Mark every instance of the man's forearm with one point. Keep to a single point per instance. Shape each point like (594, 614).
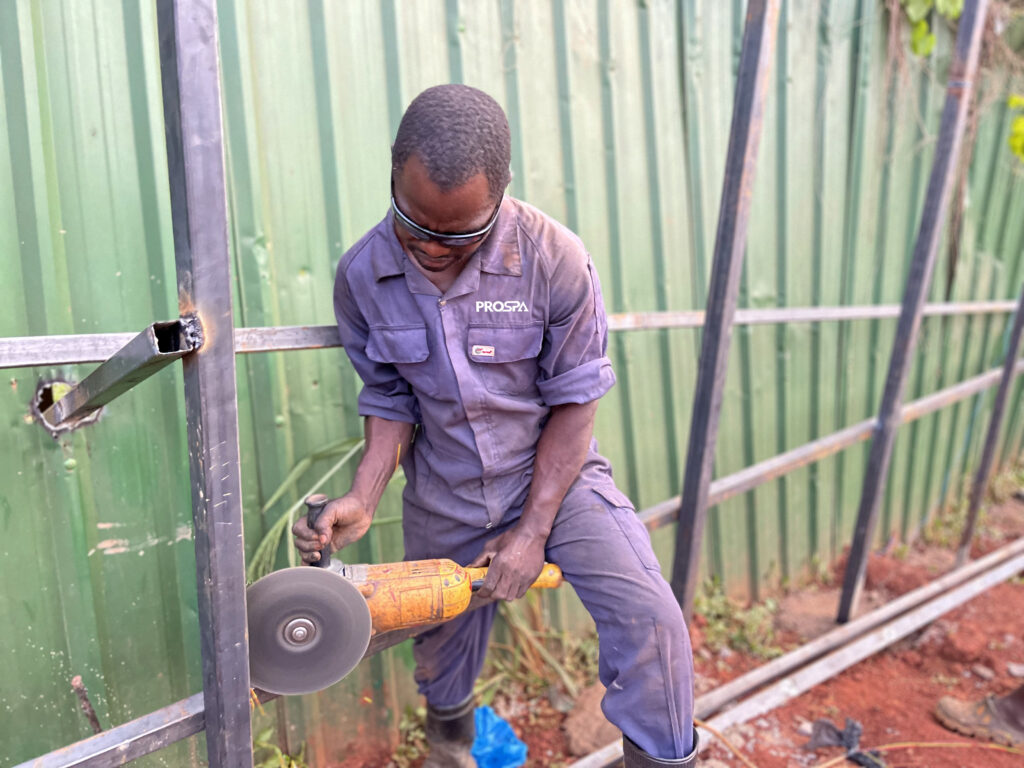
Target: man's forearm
(561, 450)
(386, 442)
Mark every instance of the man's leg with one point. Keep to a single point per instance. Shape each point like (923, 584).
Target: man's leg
(448, 660)
(645, 661)
(449, 657)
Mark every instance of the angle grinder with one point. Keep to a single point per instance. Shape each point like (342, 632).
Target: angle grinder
(310, 626)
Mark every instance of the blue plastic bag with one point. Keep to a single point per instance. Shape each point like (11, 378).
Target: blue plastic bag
(496, 744)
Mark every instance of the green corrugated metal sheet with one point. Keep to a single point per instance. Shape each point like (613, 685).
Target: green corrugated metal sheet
(621, 114)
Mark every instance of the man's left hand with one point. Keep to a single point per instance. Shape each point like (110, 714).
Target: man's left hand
(514, 560)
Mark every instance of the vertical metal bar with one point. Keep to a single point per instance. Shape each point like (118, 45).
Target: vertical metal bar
(962, 71)
(195, 159)
(989, 452)
(730, 242)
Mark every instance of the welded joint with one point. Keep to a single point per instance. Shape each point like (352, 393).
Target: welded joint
(191, 331)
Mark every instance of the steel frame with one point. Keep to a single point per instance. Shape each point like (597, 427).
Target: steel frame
(962, 71)
(188, 51)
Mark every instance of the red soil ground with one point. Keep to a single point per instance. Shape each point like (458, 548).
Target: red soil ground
(892, 694)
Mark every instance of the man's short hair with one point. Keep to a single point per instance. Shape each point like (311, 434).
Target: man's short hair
(457, 132)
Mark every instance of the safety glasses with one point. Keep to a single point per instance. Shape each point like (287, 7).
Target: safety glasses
(447, 239)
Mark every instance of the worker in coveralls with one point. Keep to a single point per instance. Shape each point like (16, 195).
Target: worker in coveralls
(477, 327)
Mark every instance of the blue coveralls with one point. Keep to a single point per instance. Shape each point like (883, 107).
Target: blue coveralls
(522, 329)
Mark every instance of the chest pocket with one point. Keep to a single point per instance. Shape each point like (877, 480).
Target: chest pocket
(405, 348)
(506, 357)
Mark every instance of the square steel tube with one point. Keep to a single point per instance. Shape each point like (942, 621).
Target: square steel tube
(156, 347)
(193, 129)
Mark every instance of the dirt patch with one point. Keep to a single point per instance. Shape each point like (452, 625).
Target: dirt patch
(893, 694)
(970, 652)
(586, 728)
(812, 612)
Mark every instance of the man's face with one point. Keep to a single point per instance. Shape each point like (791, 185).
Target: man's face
(468, 208)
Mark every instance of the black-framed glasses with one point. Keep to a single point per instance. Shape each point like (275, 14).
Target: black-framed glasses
(448, 239)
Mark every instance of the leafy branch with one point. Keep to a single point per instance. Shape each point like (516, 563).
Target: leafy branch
(262, 561)
(269, 755)
(922, 39)
(1016, 139)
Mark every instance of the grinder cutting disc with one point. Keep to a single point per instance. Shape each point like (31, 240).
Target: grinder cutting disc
(308, 628)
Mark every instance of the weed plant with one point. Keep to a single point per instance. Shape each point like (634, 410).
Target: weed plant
(747, 630)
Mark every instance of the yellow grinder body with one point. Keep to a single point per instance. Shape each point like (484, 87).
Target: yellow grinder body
(309, 627)
(420, 592)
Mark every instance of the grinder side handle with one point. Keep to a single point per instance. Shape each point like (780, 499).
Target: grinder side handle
(314, 508)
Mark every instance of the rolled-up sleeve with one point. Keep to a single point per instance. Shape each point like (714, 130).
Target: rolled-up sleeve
(385, 393)
(574, 364)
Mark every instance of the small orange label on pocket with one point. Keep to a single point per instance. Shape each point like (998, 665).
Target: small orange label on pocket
(482, 350)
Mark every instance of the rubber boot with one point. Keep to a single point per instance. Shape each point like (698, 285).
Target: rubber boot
(634, 757)
(450, 733)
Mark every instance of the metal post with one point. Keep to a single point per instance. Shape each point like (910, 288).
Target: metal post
(989, 452)
(730, 242)
(947, 151)
(195, 160)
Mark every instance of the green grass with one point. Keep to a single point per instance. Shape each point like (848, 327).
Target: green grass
(748, 630)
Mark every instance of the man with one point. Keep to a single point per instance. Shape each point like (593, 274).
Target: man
(477, 327)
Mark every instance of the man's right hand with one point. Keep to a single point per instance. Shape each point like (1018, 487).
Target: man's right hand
(342, 522)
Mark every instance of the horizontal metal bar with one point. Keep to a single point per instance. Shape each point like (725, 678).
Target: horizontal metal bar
(157, 346)
(29, 351)
(131, 740)
(918, 608)
(638, 321)
(286, 338)
(746, 479)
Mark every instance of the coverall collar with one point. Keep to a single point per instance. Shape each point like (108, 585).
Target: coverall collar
(499, 255)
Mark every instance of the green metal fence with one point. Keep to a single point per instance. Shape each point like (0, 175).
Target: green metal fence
(620, 112)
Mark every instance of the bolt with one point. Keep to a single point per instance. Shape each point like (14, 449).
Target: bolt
(299, 631)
